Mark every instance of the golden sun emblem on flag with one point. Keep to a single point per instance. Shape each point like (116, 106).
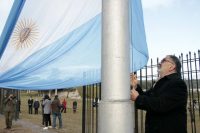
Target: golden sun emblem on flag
(25, 33)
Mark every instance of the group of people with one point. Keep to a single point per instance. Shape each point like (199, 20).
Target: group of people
(33, 104)
(36, 104)
(165, 102)
(54, 107)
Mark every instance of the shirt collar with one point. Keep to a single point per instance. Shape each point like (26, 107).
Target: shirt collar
(171, 76)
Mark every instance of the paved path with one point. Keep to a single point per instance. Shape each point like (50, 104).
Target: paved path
(21, 126)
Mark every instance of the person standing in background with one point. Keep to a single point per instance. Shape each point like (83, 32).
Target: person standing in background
(36, 105)
(75, 105)
(64, 106)
(56, 106)
(9, 104)
(47, 111)
(30, 105)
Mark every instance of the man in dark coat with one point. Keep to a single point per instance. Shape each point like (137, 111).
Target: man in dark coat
(36, 105)
(30, 105)
(165, 103)
(56, 106)
(75, 104)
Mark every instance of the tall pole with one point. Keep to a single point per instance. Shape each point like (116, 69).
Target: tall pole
(56, 91)
(115, 108)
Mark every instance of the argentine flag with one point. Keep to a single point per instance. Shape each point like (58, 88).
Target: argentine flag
(49, 44)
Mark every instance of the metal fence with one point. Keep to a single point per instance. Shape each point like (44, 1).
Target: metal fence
(91, 97)
(147, 76)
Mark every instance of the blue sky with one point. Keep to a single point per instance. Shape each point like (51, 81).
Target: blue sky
(172, 26)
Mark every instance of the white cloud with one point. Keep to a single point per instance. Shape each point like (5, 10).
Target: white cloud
(154, 4)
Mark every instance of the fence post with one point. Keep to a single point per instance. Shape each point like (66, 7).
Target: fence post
(83, 109)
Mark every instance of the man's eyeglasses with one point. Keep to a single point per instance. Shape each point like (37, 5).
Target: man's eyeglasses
(166, 60)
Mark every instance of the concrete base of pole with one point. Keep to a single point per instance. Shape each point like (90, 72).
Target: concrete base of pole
(116, 117)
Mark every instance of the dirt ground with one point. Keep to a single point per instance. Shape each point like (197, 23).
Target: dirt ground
(33, 126)
(23, 126)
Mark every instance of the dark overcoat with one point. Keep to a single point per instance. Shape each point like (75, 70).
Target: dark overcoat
(165, 105)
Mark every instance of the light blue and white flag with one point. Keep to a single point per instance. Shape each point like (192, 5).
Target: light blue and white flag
(57, 44)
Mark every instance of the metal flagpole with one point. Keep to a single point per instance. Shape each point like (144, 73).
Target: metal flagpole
(115, 108)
